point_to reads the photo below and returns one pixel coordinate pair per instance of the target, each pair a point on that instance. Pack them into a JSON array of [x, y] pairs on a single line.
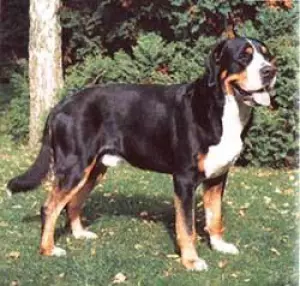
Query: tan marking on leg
[[212, 199], [213, 191], [186, 241], [74, 207], [56, 201]]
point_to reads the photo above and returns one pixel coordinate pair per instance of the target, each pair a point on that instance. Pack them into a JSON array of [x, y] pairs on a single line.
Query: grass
[[132, 213]]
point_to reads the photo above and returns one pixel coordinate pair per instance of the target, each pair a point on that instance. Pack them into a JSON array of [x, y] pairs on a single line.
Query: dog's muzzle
[[254, 97]]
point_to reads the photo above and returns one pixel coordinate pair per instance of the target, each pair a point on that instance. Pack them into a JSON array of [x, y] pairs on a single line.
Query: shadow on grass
[[143, 207]]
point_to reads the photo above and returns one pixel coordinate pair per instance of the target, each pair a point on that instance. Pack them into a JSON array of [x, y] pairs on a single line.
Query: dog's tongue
[[262, 98]]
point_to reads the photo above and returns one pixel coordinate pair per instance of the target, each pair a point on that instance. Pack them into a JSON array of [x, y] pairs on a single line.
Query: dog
[[192, 131]]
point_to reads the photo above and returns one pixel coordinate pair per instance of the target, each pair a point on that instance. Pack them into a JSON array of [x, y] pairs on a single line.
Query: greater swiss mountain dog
[[192, 131]]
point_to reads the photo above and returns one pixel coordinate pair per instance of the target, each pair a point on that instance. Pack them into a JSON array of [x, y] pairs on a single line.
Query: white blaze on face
[[253, 79]]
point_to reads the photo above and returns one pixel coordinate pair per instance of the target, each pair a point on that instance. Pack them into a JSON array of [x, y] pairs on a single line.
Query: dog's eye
[[244, 57]]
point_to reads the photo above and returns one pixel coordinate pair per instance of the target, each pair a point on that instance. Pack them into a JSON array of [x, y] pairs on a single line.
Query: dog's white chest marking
[[221, 156]]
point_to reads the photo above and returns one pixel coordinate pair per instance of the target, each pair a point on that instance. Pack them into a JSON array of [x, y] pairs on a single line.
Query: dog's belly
[[222, 155]]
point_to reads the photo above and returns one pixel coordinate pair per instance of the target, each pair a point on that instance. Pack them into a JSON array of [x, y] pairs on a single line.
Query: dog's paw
[[57, 251], [84, 234], [220, 245], [195, 264]]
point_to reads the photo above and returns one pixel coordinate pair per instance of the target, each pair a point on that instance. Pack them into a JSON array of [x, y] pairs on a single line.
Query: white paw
[[220, 245], [84, 234], [200, 265], [195, 264], [57, 251]]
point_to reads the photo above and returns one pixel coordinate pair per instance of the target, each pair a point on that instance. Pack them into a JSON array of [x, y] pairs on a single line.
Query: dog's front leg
[[212, 198], [185, 187]]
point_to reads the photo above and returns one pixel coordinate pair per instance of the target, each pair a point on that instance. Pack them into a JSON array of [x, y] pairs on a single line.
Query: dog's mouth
[[260, 97]]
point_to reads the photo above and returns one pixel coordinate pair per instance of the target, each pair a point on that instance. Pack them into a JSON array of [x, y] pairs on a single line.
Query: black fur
[[38, 171], [154, 127]]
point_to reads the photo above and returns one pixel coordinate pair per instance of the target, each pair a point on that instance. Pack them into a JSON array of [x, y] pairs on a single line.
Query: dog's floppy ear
[[213, 63]]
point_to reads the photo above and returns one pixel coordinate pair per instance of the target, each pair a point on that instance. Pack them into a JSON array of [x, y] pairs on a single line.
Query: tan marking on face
[[238, 78], [55, 203], [249, 50], [186, 241], [201, 158], [212, 200], [264, 50]]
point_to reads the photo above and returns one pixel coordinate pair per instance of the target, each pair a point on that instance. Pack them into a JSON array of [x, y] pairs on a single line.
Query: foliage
[[152, 60], [112, 25], [14, 33], [272, 139], [18, 111], [107, 42]]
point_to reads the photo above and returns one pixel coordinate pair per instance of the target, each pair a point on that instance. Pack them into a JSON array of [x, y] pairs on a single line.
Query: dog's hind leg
[[56, 201], [212, 198], [74, 207]]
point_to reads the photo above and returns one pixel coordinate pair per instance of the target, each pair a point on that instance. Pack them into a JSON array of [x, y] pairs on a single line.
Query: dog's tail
[[34, 175]]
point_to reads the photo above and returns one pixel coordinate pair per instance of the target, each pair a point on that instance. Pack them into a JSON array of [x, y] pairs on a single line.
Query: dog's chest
[[222, 155]]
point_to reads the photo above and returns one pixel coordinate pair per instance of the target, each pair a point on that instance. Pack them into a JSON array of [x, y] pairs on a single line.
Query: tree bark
[[45, 63]]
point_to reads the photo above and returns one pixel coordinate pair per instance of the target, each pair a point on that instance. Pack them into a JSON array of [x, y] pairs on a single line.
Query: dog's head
[[244, 68]]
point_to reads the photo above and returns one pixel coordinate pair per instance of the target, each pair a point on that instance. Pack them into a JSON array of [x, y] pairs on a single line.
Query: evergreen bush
[[272, 138], [17, 115]]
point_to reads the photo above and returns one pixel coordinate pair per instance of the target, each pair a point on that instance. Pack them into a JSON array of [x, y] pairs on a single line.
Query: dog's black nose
[[267, 73]]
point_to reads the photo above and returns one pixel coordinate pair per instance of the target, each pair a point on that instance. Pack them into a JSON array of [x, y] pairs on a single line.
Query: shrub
[[271, 140], [152, 60], [18, 111]]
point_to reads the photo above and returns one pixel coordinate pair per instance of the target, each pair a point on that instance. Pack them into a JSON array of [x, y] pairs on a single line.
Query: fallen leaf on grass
[[288, 192], [274, 250], [3, 224], [267, 200], [242, 213], [119, 278], [243, 208], [138, 246], [107, 195], [93, 251], [172, 255], [291, 177], [222, 263], [14, 254], [16, 207], [166, 273]]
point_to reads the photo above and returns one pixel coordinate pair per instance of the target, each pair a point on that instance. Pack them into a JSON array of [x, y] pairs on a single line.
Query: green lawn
[[132, 213]]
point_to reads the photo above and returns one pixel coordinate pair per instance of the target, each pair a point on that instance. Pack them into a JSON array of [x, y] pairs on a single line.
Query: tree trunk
[[45, 65]]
